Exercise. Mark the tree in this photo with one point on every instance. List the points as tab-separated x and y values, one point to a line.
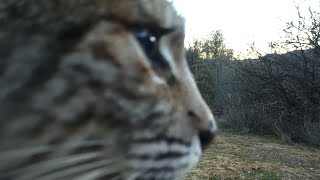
207	58
214	47
281	92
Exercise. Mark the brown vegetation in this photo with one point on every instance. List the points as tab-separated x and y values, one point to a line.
237	156
273	94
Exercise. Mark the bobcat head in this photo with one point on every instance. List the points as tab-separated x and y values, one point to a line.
97	90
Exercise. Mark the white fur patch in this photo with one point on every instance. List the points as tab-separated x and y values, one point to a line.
158	80
158	148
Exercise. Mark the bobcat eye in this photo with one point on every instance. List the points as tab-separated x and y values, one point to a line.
147	40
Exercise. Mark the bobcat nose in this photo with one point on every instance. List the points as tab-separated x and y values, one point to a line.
207	136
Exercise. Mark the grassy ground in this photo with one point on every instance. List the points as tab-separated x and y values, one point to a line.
254	157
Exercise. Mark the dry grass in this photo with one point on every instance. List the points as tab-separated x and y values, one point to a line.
255	157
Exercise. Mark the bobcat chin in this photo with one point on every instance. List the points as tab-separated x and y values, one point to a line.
97	89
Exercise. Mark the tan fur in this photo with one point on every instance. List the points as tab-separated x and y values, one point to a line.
75	81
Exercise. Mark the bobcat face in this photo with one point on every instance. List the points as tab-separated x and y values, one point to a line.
117	101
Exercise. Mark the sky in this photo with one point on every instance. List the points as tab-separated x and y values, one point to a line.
242	22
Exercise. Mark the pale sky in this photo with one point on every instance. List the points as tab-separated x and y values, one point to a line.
241	21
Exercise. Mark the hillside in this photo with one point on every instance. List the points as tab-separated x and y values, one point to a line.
237	156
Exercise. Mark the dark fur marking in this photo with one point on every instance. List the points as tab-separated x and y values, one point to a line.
157	157
169	140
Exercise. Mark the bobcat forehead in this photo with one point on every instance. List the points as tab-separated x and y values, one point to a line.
156	13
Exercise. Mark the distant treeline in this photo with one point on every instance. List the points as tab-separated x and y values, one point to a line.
272	94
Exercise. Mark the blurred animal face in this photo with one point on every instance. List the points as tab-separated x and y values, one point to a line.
120	102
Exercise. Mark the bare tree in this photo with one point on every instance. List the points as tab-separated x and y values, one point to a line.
281	92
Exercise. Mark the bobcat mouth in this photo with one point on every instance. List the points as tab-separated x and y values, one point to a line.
207	137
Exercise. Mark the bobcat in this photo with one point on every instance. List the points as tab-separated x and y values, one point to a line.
97	89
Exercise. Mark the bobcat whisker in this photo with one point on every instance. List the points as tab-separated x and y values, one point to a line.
26	151
89	142
135	175
112	173
75	170
116	178
56	164
94	174
108	171
161	170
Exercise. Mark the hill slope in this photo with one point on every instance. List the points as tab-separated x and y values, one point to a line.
255	157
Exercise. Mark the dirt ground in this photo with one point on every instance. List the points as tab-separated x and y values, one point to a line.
235	156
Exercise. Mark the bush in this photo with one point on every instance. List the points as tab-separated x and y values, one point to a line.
273	94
